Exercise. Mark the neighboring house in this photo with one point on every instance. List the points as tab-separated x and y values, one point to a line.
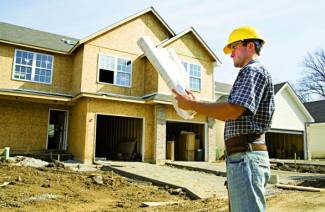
99	96
287	135
316	130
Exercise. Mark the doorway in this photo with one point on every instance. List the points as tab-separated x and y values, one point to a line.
57	130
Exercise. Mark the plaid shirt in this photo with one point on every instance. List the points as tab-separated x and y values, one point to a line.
253	89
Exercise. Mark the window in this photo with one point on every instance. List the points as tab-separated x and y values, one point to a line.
31	66
194	72
114	70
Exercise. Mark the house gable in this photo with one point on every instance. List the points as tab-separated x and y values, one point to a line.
289	111
121	42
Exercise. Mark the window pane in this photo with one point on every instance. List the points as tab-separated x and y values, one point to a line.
123	79
107	62
195	84
123	65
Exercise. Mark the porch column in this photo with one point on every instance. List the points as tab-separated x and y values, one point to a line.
160	134
212	138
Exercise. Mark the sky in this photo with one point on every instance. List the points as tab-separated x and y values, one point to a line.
291	28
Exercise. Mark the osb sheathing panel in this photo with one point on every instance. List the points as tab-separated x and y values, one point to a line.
106	107
190	50
121	42
150	78
77	129
90	72
24	125
62	71
124	37
77	70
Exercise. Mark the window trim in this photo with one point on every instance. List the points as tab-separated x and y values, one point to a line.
189	76
33	67
115	70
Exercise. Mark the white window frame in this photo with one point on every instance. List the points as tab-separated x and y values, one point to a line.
115	70
189	76
33	67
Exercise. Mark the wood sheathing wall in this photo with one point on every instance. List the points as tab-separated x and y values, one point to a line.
62	71
24	125
121	42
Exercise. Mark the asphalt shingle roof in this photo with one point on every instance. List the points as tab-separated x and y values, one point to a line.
22	35
317	110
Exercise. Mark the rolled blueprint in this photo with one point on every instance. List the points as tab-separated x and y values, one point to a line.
168	65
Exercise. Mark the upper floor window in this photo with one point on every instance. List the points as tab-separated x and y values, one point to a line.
194	72
31	66
114	70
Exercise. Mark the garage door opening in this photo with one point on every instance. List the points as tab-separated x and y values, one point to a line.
119	138
185	141
285	145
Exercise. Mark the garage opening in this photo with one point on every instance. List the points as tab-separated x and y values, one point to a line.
118	138
185	141
284	145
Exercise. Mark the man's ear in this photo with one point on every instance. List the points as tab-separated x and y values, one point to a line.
251	47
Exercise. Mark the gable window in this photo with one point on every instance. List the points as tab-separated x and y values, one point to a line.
114	70
32	66
194	72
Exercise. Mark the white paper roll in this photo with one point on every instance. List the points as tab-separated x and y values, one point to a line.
170	68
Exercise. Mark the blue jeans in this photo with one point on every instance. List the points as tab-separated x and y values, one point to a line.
247	177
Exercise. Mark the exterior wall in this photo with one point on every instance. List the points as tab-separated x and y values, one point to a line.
77	71
61	76
83	125
150	79
24	125
77	130
287	114
190	50
316	140
121	42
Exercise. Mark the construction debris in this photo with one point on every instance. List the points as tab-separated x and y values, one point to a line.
152	204
300	188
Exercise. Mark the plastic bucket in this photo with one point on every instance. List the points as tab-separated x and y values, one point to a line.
6	153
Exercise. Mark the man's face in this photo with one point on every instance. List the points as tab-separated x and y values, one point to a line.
239	54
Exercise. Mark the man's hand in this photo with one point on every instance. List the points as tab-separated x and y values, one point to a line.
185	102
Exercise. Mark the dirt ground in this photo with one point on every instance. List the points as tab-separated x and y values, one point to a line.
60	189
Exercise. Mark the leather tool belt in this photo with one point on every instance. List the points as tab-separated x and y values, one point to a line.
243	143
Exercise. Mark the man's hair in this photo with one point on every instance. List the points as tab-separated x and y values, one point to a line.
257	44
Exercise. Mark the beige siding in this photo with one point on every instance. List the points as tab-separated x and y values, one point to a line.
62	72
316	140
287	114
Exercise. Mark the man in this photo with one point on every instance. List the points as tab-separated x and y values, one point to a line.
248	115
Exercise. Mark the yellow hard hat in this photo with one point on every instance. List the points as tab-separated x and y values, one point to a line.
240	34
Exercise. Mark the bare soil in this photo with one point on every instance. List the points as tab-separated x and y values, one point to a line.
60	189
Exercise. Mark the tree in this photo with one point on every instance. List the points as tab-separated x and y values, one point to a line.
312	84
